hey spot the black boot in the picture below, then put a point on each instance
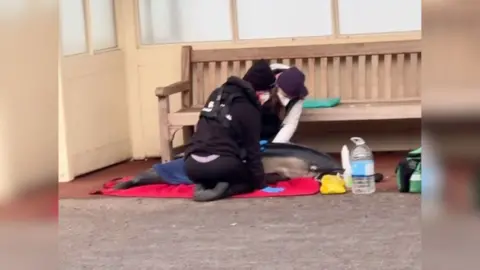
(149, 177)
(203, 194)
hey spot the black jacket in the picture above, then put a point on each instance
(242, 138)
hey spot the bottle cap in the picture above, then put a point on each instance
(357, 140)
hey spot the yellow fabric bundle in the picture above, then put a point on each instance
(332, 184)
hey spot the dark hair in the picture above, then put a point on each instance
(274, 103)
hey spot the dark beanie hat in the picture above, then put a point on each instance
(292, 83)
(260, 76)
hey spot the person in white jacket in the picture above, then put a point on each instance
(282, 106)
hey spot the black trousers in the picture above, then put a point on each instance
(223, 169)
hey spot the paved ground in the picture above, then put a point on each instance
(338, 232)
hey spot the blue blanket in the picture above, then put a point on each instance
(173, 172)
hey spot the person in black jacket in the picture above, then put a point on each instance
(223, 158)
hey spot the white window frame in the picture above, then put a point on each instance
(88, 18)
(139, 29)
(87, 51)
(88, 31)
(236, 40)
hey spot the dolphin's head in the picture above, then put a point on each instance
(289, 167)
(293, 161)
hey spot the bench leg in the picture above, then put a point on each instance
(187, 134)
(165, 137)
(168, 131)
(166, 145)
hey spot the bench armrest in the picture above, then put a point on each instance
(178, 87)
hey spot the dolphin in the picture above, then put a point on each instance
(290, 161)
(293, 160)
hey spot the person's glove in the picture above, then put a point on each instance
(273, 189)
(263, 143)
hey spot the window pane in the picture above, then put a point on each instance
(259, 19)
(374, 16)
(72, 24)
(172, 21)
(103, 30)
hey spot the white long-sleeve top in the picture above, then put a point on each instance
(291, 120)
(279, 66)
(290, 123)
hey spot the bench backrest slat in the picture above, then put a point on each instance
(379, 71)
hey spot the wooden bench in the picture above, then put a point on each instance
(376, 81)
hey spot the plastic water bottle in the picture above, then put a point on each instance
(363, 167)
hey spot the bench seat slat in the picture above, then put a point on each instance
(343, 112)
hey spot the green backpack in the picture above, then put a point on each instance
(409, 172)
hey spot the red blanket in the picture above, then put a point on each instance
(294, 187)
